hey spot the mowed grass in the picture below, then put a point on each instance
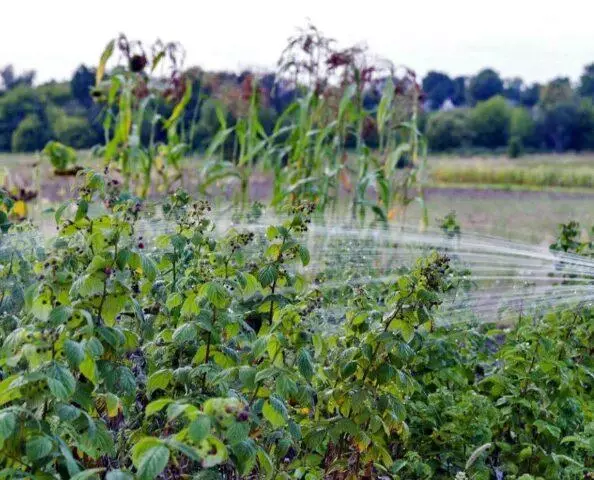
(556, 171)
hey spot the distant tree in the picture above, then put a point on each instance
(55, 93)
(485, 85)
(490, 123)
(15, 105)
(30, 135)
(530, 95)
(11, 80)
(448, 130)
(81, 83)
(555, 92)
(512, 89)
(74, 132)
(586, 124)
(459, 95)
(586, 86)
(559, 126)
(522, 127)
(438, 87)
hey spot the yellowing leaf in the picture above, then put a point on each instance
(19, 209)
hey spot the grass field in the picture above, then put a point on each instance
(523, 199)
(564, 171)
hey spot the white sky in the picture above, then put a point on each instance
(534, 39)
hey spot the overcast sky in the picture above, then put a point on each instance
(534, 39)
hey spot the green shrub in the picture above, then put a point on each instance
(30, 135)
(515, 148)
(60, 156)
(490, 123)
(204, 355)
(448, 130)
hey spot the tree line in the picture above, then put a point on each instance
(483, 111)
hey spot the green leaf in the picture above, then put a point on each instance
(75, 352)
(185, 333)
(87, 286)
(173, 300)
(187, 450)
(267, 275)
(60, 381)
(237, 432)
(112, 307)
(97, 263)
(245, 455)
(216, 294)
(159, 380)
(304, 255)
(199, 429)
(273, 415)
(157, 405)
(190, 306)
(179, 108)
(8, 422)
(39, 447)
(88, 368)
(153, 462)
(118, 475)
(59, 315)
(265, 462)
(305, 364)
(148, 267)
(42, 307)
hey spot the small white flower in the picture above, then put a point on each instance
(461, 476)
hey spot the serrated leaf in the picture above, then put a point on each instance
(148, 267)
(267, 275)
(237, 432)
(190, 306)
(216, 294)
(273, 415)
(245, 455)
(60, 381)
(185, 333)
(305, 364)
(38, 447)
(153, 462)
(173, 300)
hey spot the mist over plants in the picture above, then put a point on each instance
(166, 334)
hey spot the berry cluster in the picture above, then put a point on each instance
(240, 240)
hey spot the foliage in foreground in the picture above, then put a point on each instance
(195, 355)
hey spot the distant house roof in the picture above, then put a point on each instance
(447, 105)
